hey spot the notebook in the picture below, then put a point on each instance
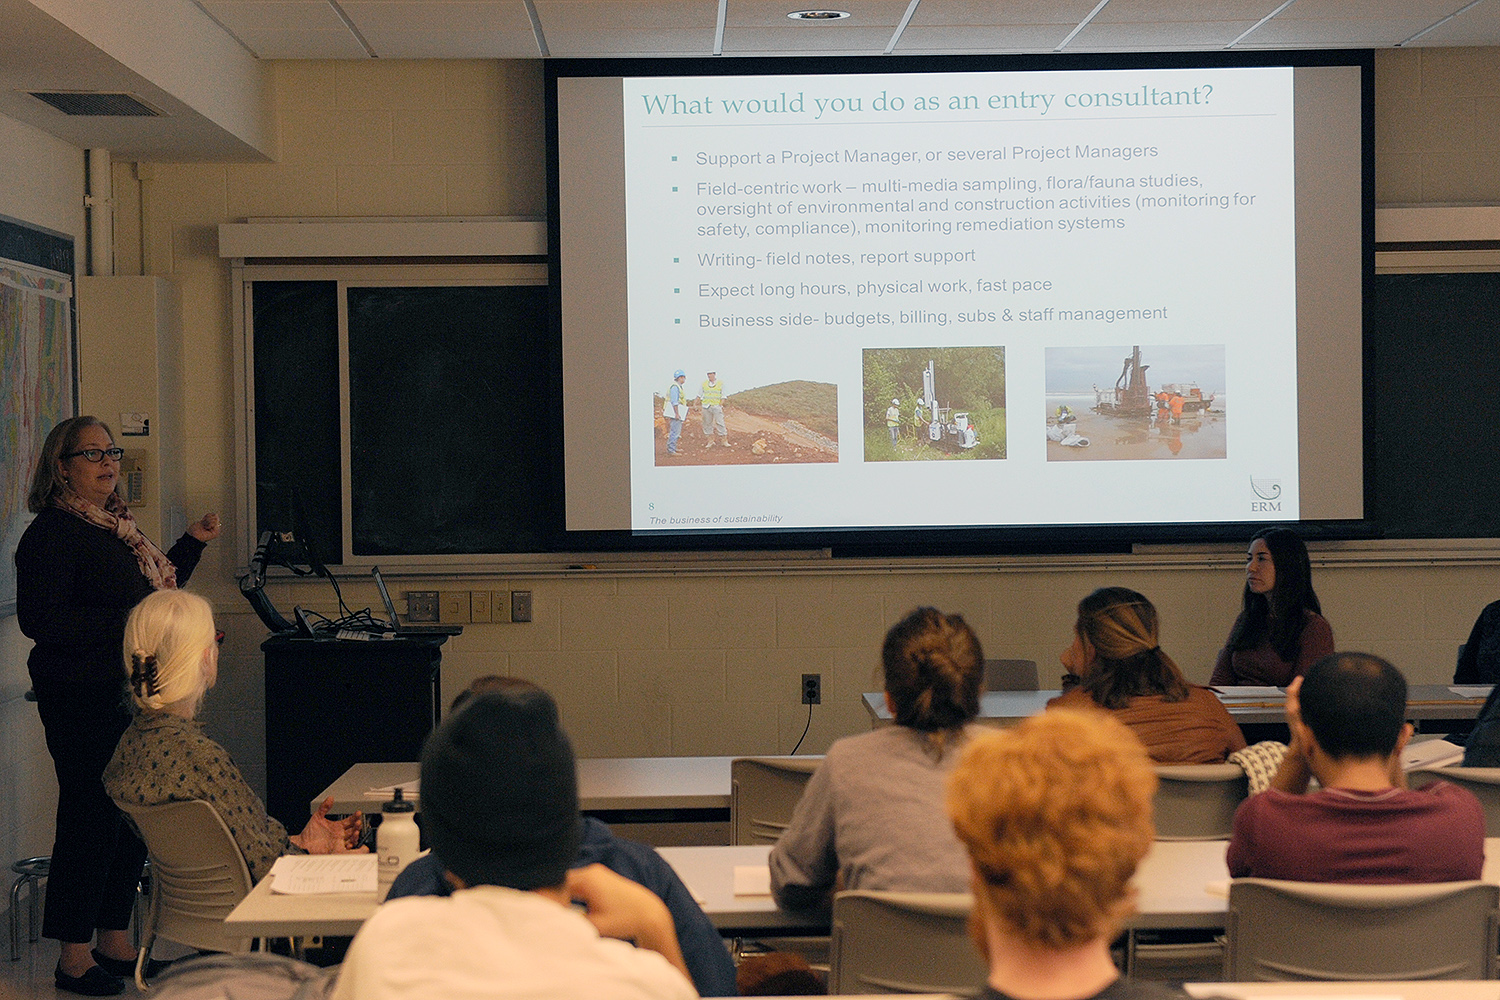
(404, 628)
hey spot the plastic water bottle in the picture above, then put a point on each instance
(397, 840)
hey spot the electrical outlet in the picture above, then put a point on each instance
(453, 607)
(520, 605)
(479, 606)
(812, 689)
(422, 605)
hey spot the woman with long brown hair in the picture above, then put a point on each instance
(1117, 656)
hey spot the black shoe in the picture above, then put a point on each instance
(95, 982)
(125, 967)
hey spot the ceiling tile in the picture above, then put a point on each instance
(628, 43)
(971, 38)
(609, 15)
(981, 13)
(794, 40)
(864, 14)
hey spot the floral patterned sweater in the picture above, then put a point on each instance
(166, 758)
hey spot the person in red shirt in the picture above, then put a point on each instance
(1347, 716)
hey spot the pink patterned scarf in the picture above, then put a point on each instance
(116, 518)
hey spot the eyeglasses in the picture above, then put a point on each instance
(97, 454)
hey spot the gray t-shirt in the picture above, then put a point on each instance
(873, 817)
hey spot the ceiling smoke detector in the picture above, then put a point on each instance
(818, 15)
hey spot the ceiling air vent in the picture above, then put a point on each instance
(94, 103)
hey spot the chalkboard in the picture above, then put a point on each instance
(1432, 348)
(296, 371)
(453, 421)
(455, 414)
(453, 417)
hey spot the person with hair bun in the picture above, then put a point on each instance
(1280, 631)
(1118, 659)
(1055, 815)
(171, 660)
(872, 814)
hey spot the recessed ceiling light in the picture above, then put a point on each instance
(818, 15)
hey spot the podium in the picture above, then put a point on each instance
(332, 703)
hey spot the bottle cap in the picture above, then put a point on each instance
(398, 804)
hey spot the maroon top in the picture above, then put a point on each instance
(1390, 837)
(1263, 666)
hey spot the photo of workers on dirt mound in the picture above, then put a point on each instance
(929, 404)
(1110, 403)
(706, 421)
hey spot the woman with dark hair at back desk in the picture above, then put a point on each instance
(81, 565)
(1280, 631)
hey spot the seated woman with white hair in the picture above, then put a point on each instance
(172, 659)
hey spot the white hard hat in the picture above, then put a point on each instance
(896, 401)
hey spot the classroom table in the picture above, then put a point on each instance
(605, 784)
(1181, 884)
(657, 800)
(1430, 705)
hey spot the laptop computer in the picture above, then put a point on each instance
(406, 628)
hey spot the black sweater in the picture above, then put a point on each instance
(75, 586)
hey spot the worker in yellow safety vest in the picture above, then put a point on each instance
(711, 396)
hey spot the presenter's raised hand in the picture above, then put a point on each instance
(206, 528)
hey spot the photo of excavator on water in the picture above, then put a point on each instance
(1154, 402)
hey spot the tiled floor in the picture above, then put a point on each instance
(30, 978)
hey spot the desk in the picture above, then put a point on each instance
(1429, 705)
(633, 794)
(605, 784)
(1172, 880)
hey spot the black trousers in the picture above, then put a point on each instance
(96, 856)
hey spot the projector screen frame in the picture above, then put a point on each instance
(908, 540)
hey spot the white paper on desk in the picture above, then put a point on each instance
(1431, 753)
(305, 874)
(409, 790)
(1470, 690)
(752, 880)
(1251, 693)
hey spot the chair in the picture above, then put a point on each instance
(1197, 801)
(1010, 675)
(1484, 782)
(197, 876)
(903, 942)
(1324, 931)
(30, 874)
(763, 791)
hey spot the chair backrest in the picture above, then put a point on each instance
(1197, 801)
(1484, 782)
(1324, 931)
(1010, 675)
(197, 873)
(763, 791)
(902, 942)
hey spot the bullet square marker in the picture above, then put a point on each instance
(674, 187)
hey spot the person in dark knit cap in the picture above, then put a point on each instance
(500, 808)
(708, 961)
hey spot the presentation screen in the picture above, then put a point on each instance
(949, 298)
